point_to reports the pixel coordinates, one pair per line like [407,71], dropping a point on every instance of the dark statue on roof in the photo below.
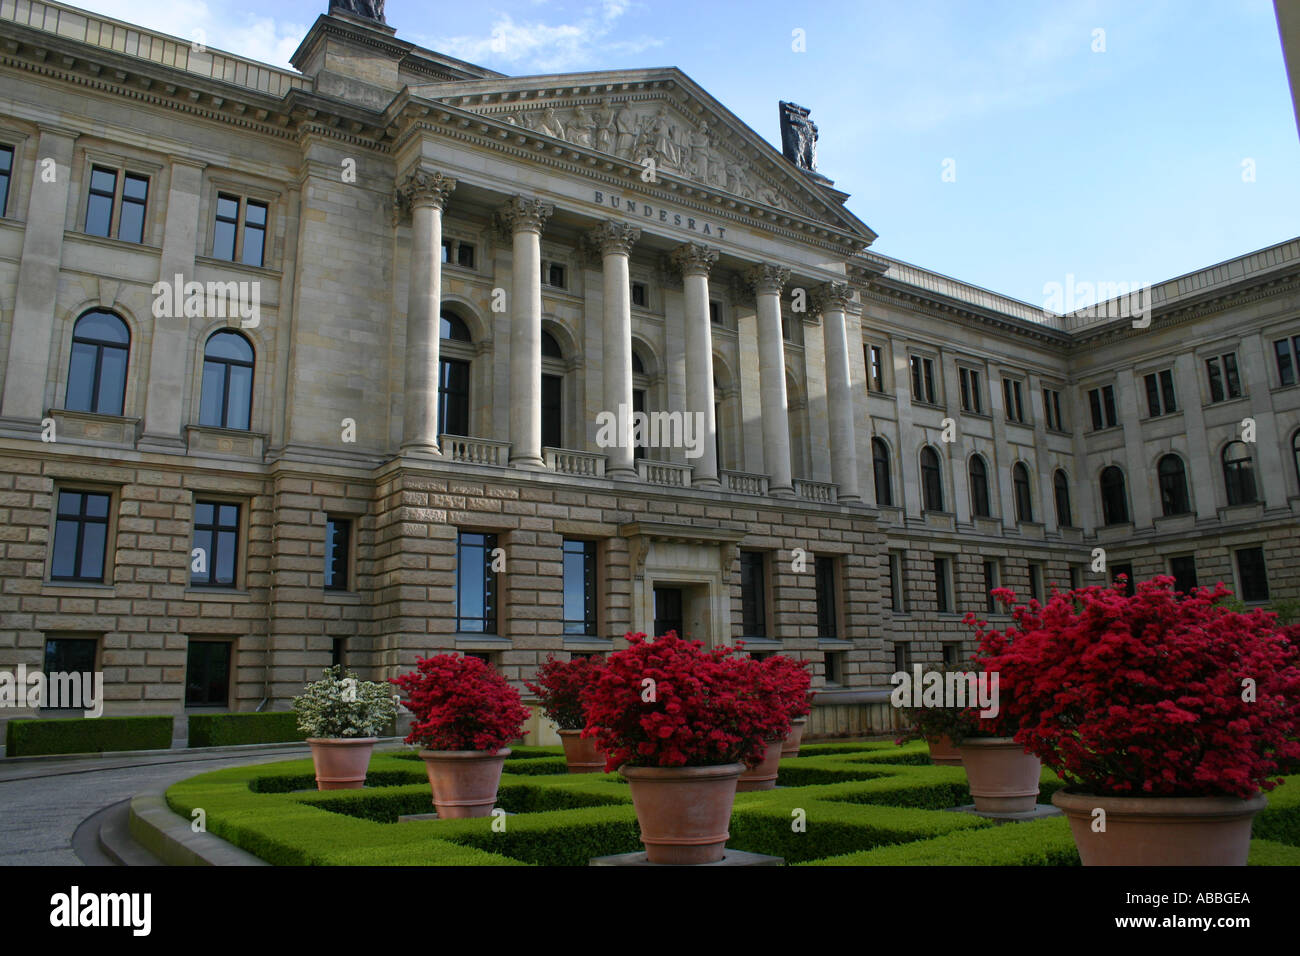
[369,9]
[798,136]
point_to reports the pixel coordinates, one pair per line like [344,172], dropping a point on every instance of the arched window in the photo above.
[1239,473]
[97,373]
[1061,486]
[454,360]
[880,469]
[1114,500]
[979,486]
[227,397]
[552,392]
[931,481]
[1173,485]
[1020,485]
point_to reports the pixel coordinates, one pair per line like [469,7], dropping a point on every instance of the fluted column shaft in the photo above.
[425,193]
[525,218]
[767,282]
[695,261]
[614,239]
[833,298]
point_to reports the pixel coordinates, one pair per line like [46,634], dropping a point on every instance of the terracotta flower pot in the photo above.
[794,738]
[1003,778]
[684,812]
[341,762]
[580,753]
[464,782]
[763,776]
[943,752]
[1161,831]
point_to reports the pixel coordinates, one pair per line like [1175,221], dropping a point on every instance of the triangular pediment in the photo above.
[659,115]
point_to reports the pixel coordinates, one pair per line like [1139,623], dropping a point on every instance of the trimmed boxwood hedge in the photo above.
[227,730]
[26,737]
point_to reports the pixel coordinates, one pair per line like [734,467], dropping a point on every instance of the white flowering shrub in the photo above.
[340,705]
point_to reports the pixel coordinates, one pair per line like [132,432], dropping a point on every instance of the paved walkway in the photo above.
[43,801]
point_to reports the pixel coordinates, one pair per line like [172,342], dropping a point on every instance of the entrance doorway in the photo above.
[668,611]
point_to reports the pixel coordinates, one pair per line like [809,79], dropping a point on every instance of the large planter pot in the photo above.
[464,782]
[1003,778]
[1161,831]
[763,776]
[684,812]
[794,738]
[943,752]
[341,762]
[580,753]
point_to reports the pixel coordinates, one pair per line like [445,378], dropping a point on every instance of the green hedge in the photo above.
[1280,820]
[1036,843]
[86,735]
[226,730]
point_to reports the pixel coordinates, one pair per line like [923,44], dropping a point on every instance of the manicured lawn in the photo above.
[862,804]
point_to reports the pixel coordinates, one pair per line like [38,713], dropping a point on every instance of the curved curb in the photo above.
[173,841]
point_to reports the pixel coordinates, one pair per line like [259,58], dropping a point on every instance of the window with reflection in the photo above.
[1172,477]
[101,343]
[1239,473]
[979,487]
[1114,499]
[227,396]
[931,480]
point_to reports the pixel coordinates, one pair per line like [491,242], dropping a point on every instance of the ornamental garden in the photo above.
[1157,728]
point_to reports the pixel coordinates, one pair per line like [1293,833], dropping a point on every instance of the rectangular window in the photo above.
[902,657]
[875,368]
[1035,581]
[70,655]
[207,674]
[80,537]
[834,664]
[465,255]
[135,195]
[448,249]
[99,205]
[1160,393]
[232,241]
[580,588]
[1101,402]
[339,652]
[226,233]
[1130,586]
[553,274]
[552,411]
[922,380]
[1052,409]
[1076,577]
[1252,576]
[715,312]
[1183,568]
[897,596]
[951,654]
[639,296]
[1015,405]
[1288,360]
[972,399]
[1225,382]
[6,176]
[453,397]
[824,571]
[990,583]
[476,584]
[213,563]
[254,233]
[338,544]
[942,586]
[753,601]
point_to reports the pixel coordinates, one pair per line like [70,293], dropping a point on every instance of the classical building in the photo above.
[349,364]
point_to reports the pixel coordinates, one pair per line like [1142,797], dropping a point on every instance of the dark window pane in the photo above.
[1153,396]
[824,570]
[255,214]
[1285,368]
[239,401]
[212,399]
[1230,371]
[752,595]
[552,411]
[1252,574]
[338,532]
[1108,397]
[465,255]
[112,381]
[65,549]
[223,240]
[99,214]
[224,573]
[1183,568]
[453,397]
[1094,403]
[96,506]
[942,598]
[81,377]
[207,674]
[1216,379]
[94,537]
[103,327]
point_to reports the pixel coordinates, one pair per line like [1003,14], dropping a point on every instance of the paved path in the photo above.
[42,802]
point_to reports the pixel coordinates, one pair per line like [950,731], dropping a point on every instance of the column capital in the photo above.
[425,187]
[694,258]
[524,214]
[614,237]
[766,278]
[833,296]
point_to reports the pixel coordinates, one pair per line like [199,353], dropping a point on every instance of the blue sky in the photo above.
[1126,164]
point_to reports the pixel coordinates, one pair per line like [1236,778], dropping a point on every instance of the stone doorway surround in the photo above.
[698,560]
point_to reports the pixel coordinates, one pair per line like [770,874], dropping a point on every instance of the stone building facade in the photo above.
[377,427]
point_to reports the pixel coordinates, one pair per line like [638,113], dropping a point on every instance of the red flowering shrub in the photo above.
[559,688]
[670,703]
[788,681]
[460,703]
[1143,695]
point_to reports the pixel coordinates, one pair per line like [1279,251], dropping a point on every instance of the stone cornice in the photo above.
[916,300]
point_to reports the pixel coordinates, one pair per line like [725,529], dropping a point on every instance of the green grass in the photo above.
[839,804]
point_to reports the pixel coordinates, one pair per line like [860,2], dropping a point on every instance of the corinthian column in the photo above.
[425,193]
[695,261]
[614,239]
[767,281]
[525,219]
[832,299]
